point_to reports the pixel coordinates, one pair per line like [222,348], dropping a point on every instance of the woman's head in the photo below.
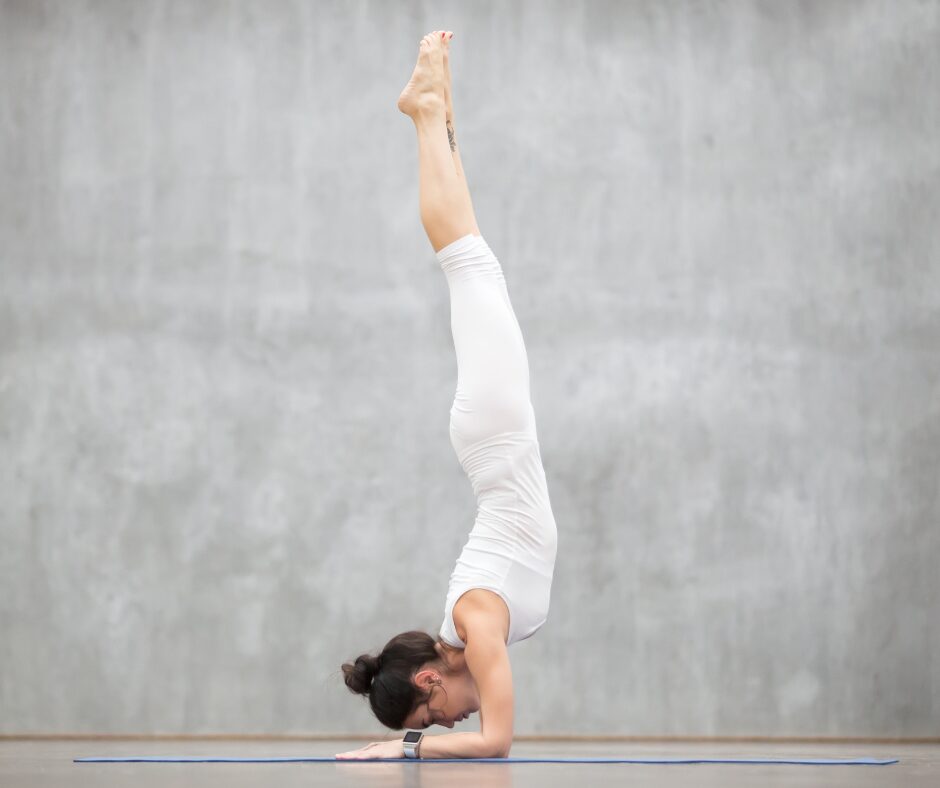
[414,682]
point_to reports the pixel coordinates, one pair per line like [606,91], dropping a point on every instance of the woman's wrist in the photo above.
[468,744]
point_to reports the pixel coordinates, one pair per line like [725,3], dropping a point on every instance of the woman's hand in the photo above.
[378,749]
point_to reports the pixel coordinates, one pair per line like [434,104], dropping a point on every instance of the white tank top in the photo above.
[512,546]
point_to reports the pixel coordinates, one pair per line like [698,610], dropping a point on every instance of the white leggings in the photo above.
[492,394]
[512,547]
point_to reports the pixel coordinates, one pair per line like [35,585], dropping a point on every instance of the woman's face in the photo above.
[451,701]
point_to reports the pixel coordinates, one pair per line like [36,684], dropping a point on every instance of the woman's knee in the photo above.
[481,416]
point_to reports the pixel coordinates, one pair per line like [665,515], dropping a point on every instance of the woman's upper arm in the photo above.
[488,661]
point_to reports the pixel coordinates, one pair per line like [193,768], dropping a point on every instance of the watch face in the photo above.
[413,737]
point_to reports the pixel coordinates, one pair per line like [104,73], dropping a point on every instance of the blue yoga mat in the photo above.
[289,759]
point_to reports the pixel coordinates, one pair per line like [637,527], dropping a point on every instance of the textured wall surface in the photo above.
[226,363]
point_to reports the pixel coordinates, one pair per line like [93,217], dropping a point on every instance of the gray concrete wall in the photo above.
[226,363]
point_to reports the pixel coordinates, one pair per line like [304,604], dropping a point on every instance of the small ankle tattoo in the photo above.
[450,137]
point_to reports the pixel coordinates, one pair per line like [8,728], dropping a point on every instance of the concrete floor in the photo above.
[37,764]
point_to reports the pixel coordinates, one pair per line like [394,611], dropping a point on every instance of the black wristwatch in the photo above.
[411,742]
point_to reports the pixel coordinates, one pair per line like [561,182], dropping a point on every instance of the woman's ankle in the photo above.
[429,109]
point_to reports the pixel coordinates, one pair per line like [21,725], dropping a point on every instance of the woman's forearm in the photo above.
[458,745]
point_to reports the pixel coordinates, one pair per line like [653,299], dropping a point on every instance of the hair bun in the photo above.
[360,675]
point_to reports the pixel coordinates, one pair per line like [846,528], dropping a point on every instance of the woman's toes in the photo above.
[427,45]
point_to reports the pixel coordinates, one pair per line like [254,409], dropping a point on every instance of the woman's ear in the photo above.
[425,678]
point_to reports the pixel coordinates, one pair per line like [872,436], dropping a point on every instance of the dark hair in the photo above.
[387,678]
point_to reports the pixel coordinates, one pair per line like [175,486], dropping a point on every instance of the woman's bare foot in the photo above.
[425,89]
[448,103]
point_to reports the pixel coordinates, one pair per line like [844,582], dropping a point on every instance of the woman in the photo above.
[499,591]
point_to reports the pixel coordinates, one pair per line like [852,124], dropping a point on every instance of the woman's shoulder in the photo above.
[481,612]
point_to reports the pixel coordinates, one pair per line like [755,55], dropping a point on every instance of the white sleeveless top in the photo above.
[512,546]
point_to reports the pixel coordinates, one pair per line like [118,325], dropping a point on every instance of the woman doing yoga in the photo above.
[499,590]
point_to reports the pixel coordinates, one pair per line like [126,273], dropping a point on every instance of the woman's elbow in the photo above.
[499,749]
